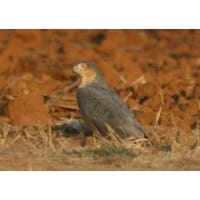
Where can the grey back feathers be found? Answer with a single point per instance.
(100, 106)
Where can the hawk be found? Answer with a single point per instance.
(101, 107)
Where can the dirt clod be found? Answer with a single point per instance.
(31, 109)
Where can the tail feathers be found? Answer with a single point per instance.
(136, 130)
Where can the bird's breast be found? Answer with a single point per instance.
(87, 78)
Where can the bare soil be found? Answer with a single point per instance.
(157, 72)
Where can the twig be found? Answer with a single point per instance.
(52, 101)
(161, 97)
(6, 130)
(50, 139)
(14, 140)
(68, 106)
(141, 80)
(127, 96)
(124, 81)
(158, 116)
(29, 143)
(113, 134)
(69, 98)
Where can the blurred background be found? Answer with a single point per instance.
(157, 72)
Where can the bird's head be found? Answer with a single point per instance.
(88, 71)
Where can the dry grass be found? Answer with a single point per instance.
(39, 147)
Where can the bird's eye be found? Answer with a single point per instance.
(80, 68)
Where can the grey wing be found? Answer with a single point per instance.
(122, 121)
(94, 107)
(103, 106)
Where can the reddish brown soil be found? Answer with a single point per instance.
(30, 113)
(157, 71)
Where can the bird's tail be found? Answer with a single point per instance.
(137, 131)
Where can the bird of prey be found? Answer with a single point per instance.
(101, 107)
